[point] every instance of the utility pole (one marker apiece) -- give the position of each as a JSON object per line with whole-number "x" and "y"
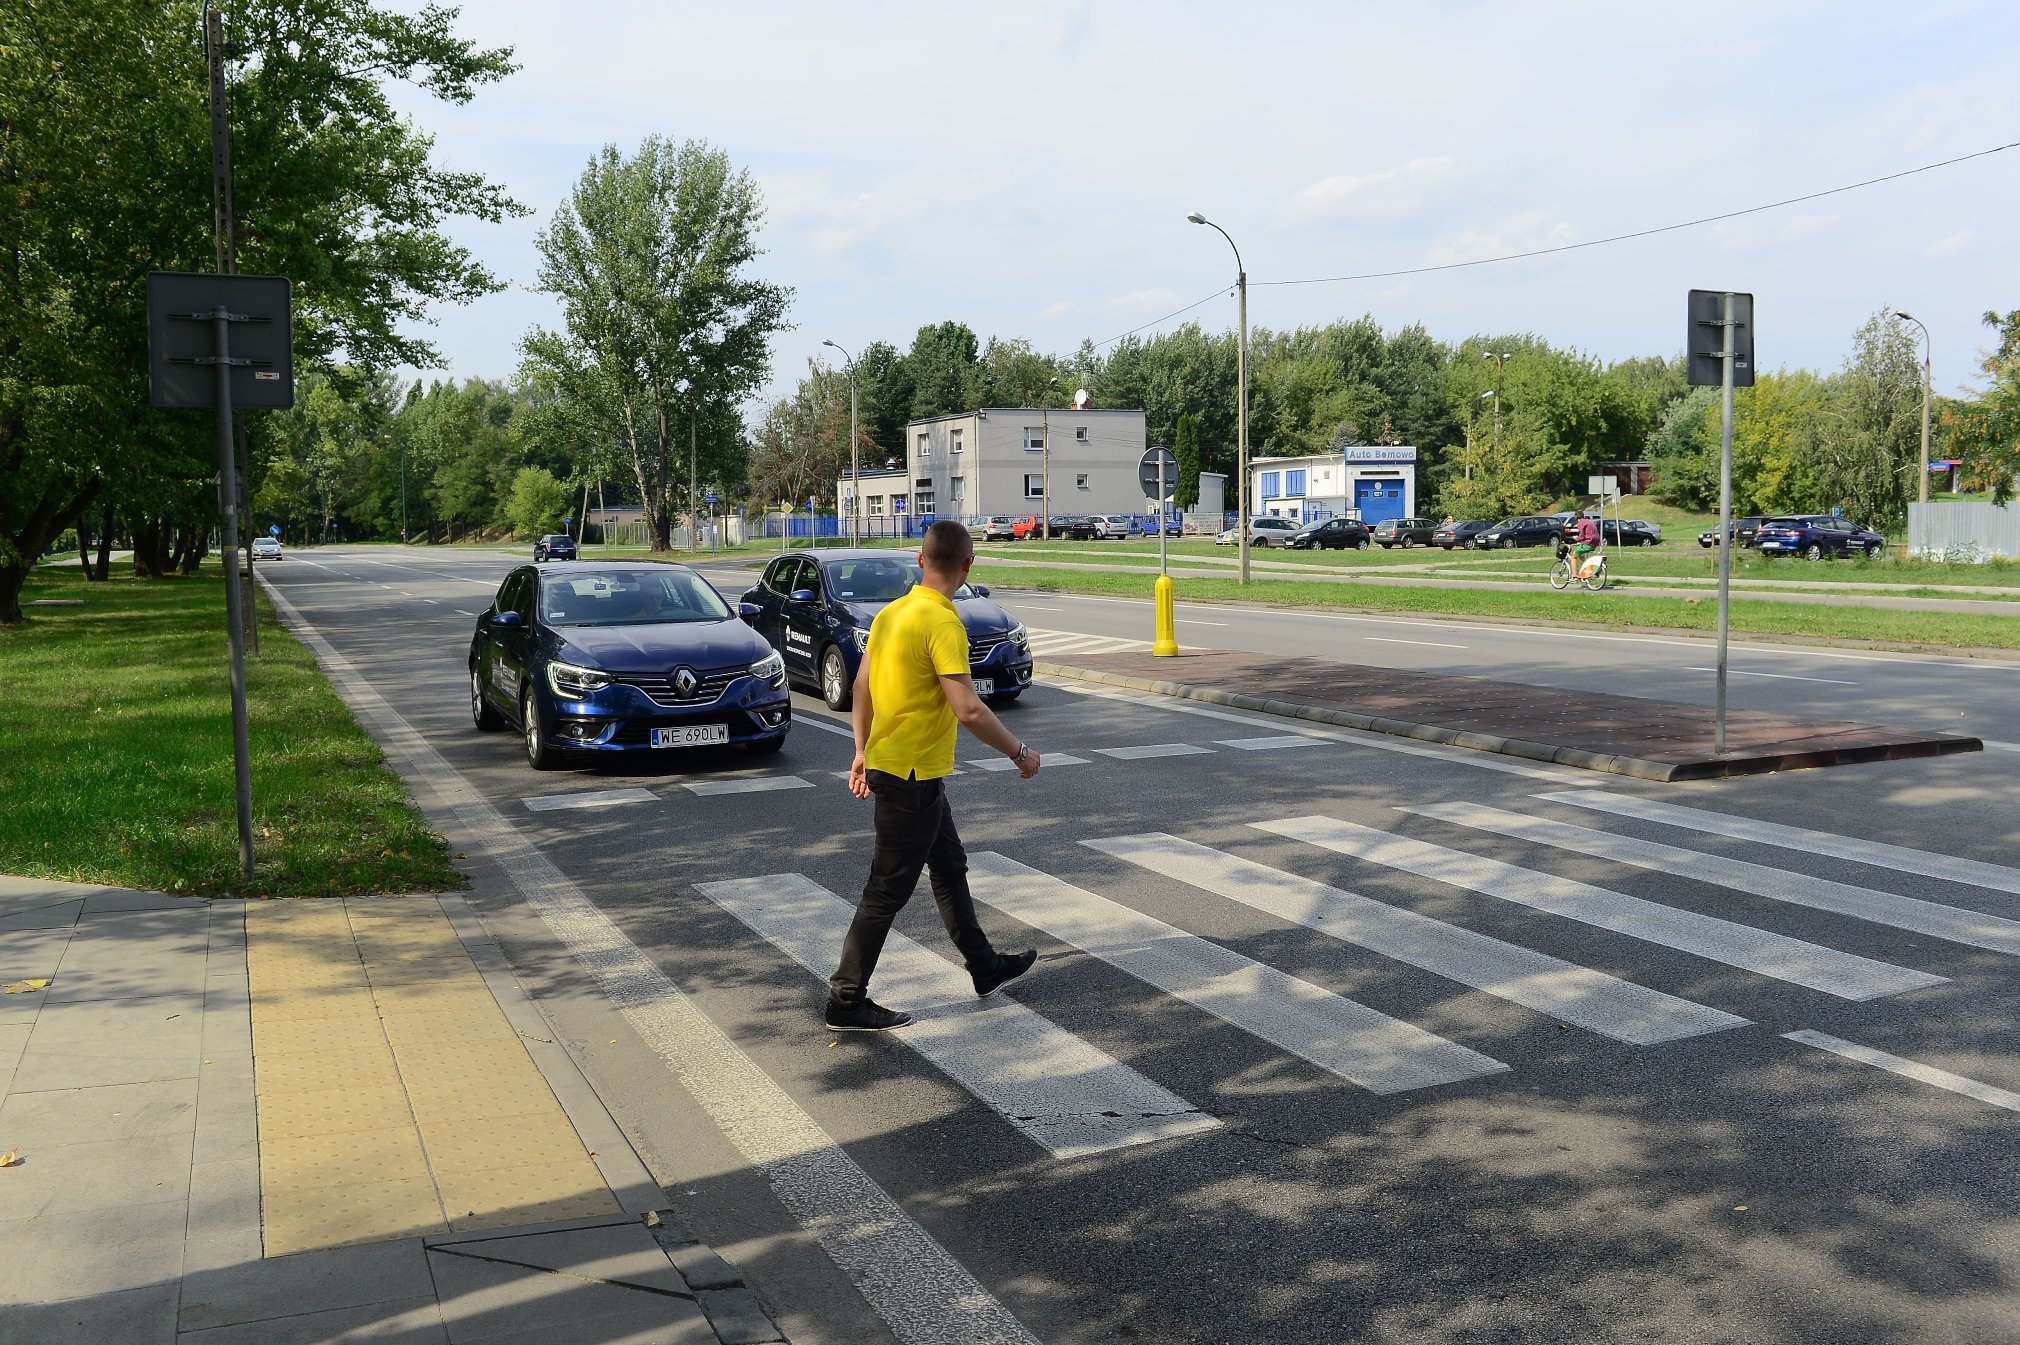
{"x": 855, "y": 454}
{"x": 1922, "y": 490}
{"x": 1045, "y": 455}
{"x": 693, "y": 489}
{"x": 1240, "y": 394}
{"x": 1500, "y": 359}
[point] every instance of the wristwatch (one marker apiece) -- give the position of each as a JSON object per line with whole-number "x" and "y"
{"x": 1022, "y": 752}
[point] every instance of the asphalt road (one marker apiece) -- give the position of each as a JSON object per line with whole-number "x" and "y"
{"x": 1332, "y": 1037}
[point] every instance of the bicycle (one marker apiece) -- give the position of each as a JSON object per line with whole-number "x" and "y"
{"x": 1592, "y": 573}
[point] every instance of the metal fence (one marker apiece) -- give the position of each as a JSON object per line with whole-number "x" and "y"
{"x": 1960, "y": 530}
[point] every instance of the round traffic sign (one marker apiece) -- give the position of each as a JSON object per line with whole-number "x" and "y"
{"x": 1156, "y": 463}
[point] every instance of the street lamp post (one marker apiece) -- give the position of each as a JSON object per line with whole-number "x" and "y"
{"x": 1496, "y": 395}
{"x": 1922, "y": 490}
{"x": 855, "y": 454}
{"x": 1045, "y": 458}
{"x": 1500, "y": 360}
{"x": 1241, "y": 395}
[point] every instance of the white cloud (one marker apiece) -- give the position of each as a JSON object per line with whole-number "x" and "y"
{"x": 1400, "y": 190}
{"x": 1058, "y": 310}
{"x": 1527, "y": 232}
{"x": 1943, "y": 247}
{"x": 1138, "y": 302}
{"x": 1768, "y": 230}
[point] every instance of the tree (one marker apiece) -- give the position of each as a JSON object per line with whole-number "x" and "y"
{"x": 946, "y": 371}
{"x": 649, "y": 257}
{"x": 1867, "y": 452}
{"x": 1682, "y": 456}
{"x": 1984, "y": 433}
{"x": 1185, "y": 447}
{"x": 537, "y": 502}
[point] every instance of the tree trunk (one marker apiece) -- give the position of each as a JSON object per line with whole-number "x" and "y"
{"x": 104, "y": 565}
{"x": 84, "y": 545}
{"x": 38, "y": 529}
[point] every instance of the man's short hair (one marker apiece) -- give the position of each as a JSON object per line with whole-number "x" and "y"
{"x": 947, "y": 547}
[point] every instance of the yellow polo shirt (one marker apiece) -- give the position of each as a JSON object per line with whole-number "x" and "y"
{"x": 914, "y": 642}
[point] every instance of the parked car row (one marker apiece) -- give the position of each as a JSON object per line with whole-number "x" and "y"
{"x": 1074, "y": 527}
{"x": 1814, "y": 536}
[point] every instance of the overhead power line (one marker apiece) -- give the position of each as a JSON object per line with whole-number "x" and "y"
{"x": 1638, "y": 233}
{"x": 1166, "y": 318}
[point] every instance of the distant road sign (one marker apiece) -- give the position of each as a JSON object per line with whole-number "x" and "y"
{"x": 1148, "y": 469}
{"x": 1705, "y": 338}
{"x": 273, "y": 530}
{"x": 711, "y": 499}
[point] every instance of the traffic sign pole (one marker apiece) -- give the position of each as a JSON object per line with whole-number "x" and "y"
{"x": 1157, "y": 473}
{"x": 227, "y": 500}
{"x": 1725, "y": 538}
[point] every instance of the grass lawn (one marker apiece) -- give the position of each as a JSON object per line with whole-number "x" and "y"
{"x": 1615, "y": 608}
{"x": 118, "y": 768}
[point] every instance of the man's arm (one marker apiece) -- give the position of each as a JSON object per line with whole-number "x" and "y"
{"x": 981, "y": 721}
{"x": 859, "y": 720}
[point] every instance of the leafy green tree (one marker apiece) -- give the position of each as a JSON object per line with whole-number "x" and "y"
{"x": 1868, "y": 452}
{"x": 883, "y": 397}
{"x": 650, "y": 257}
{"x": 946, "y": 370}
{"x": 1984, "y": 431}
{"x": 1682, "y": 451}
{"x": 1013, "y": 374}
{"x": 1185, "y": 447}
{"x": 536, "y": 503}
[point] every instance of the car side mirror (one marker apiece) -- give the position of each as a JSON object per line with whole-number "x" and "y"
{"x": 749, "y": 611}
{"x": 981, "y": 590}
{"x": 507, "y": 620}
{"x": 802, "y": 595}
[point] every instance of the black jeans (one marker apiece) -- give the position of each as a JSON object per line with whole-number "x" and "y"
{"x": 915, "y": 830}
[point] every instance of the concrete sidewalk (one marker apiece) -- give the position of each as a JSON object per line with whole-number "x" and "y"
{"x": 314, "y": 1121}
{"x": 1626, "y": 735}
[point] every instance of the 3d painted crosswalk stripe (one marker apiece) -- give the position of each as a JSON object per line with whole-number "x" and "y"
{"x": 1271, "y": 744}
{"x": 1562, "y": 990}
{"x": 1909, "y": 1069}
{"x": 1151, "y": 750}
{"x": 592, "y": 799}
{"x": 1900, "y": 858}
{"x": 755, "y": 785}
{"x": 1798, "y": 889}
{"x": 1357, "y": 1043}
{"x": 1068, "y": 1096}
{"x": 1046, "y": 761}
{"x": 1845, "y": 975}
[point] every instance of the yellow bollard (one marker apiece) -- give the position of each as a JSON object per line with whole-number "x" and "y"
{"x": 1166, "y": 645}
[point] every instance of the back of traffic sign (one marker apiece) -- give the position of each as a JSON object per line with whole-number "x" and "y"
{"x": 1157, "y": 473}
{"x": 182, "y": 352}
{"x": 1704, "y": 339}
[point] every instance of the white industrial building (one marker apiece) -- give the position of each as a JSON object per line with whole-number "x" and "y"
{"x": 1370, "y": 482}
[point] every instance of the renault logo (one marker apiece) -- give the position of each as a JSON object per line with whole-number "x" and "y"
{"x": 684, "y": 682}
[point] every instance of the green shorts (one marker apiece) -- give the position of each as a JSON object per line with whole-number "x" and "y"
{"x": 1584, "y": 549}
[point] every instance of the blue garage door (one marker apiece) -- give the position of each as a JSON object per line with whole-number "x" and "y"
{"x": 1378, "y": 500}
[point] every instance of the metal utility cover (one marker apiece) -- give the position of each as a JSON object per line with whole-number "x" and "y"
{"x": 1147, "y": 471}
{"x": 176, "y": 340}
{"x": 1704, "y": 338}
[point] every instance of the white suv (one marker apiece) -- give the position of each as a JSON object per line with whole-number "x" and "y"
{"x": 1263, "y": 530}
{"x": 266, "y": 548}
{"x": 1112, "y": 525}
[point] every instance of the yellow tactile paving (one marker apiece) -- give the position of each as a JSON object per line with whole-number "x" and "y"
{"x": 394, "y": 1096}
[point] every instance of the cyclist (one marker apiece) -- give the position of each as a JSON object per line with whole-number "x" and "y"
{"x": 1588, "y": 539}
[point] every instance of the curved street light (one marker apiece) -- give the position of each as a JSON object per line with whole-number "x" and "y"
{"x": 855, "y": 454}
{"x": 1241, "y": 395}
{"x": 1922, "y": 490}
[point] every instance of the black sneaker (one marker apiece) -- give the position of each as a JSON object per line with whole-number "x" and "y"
{"x": 865, "y": 1015}
{"x": 1009, "y": 966}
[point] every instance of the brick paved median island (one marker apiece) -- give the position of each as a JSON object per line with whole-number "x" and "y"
{"x": 1627, "y": 735}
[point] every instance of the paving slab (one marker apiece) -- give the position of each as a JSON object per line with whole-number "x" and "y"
{"x": 1625, "y": 735}
{"x": 143, "y": 1316}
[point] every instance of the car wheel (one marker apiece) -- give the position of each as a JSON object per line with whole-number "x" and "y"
{"x": 540, "y": 755}
{"x": 1409, "y": 543}
{"x": 1813, "y": 552}
{"x": 1873, "y": 551}
{"x": 481, "y": 712}
{"x": 835, "y": 688}
{"x": 766, "y": 746}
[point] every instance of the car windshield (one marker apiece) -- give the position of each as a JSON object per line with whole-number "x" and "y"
{"x": 640, "y": 597}
{"x": 875, "y": 579}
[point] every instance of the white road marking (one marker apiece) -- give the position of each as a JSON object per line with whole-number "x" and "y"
{"x": 1798, "y": 889}
{"x": 903, "y": 1273}
{"x": 1275, "y": 744}
{"x": 2001, "y": 747}
{"x": 600, "y": 798}
{"x": 1340, "y": 1036}
{"x": 431, "y": 600}
{"x": 1972, "y": 872}
{"x": 1779, "y": 677}
{"x": 1908, "y": 1069}
{"x": 1845, "y": 975}
{"x": 761, "y": 784}
{"x": 815, "y": 721}
{"x": 1380, "y": 742}
{"x": 1068, "y": 1097}
{"x": 1046, "y": 760}
{"x": 1561, "y": 990}
{"x": 1431, "y": 644}
{"x": 1195, "y": 621}
{"x": 1154, "y": 750}
{"x": 461, "y": 612}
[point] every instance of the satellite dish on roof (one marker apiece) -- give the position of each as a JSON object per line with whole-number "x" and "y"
{"x": 1079, "y": 399}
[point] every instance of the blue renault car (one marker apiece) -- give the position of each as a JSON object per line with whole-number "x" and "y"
{"x": 1817, "y": 536}
{"x": 815, "y": 609}
{"x": 600, "y": 658}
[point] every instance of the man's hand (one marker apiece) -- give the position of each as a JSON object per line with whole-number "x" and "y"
{"x": 1029, "y": 766}
{"x": 859, "y": 780}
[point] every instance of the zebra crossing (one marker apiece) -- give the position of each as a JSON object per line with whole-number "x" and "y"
{"x": 1055, "y": 643}
{"x": 1072, "y": 1098}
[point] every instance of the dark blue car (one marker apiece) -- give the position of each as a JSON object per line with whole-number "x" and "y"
{"x": 815, "y": 608}
{"x": 598, "y": 658}
{"x": 554, "y": 546}
{"x": 1816, "y": 536}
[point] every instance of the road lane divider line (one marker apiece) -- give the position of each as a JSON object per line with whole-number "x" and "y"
{"x": 1339, "y": 1035}
{"x": 598, "y": 798}
{"x": 1908, "y": 1069}
{"x": 904, "y": 1274}
{"x": 1560, "y": 990}
{"x": 1066, "y": 1095}
{"x": 1763, "y": 952}
{"x": 1150, "y": 750}
{"x": 1950, "y": 923}
{"x": 2000, "y": 747}
{"x": 763, "y": 784}
{"x": 1429, "y": 644}
{"x": 1878, "y": 854}
{"x": 1779, "y": 677}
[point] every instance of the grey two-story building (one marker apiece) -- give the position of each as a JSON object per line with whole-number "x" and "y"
{"x": 993, "y": 461}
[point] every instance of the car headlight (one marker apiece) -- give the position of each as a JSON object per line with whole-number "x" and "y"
{"x": 862, "y": 638}
{"x": 771, "y": 668}
{"x": 1019, "y": 638}
{"x": 575, "y": 682}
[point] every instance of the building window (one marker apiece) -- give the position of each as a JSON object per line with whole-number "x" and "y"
{"x": 876, "y": 504}
{"x": 1080, "y": 480}
{"x": 1294, "y": 482}
{"x": 1034, "y": 485}
{"x": 960, "y": 489}
{"x": 1034, "y": 436}
{"x": 1269, "y": 484}
{"x": 923, "y": 502}
{"x": 1080, "y": 433}
{"x": 925, "y": 445}
{"x": 954, "y": 441}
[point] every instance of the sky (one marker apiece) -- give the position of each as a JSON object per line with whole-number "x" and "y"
{"x": 1026, "y": 168}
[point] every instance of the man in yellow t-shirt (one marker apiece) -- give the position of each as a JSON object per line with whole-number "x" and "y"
{"x": 911, "y": 693}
